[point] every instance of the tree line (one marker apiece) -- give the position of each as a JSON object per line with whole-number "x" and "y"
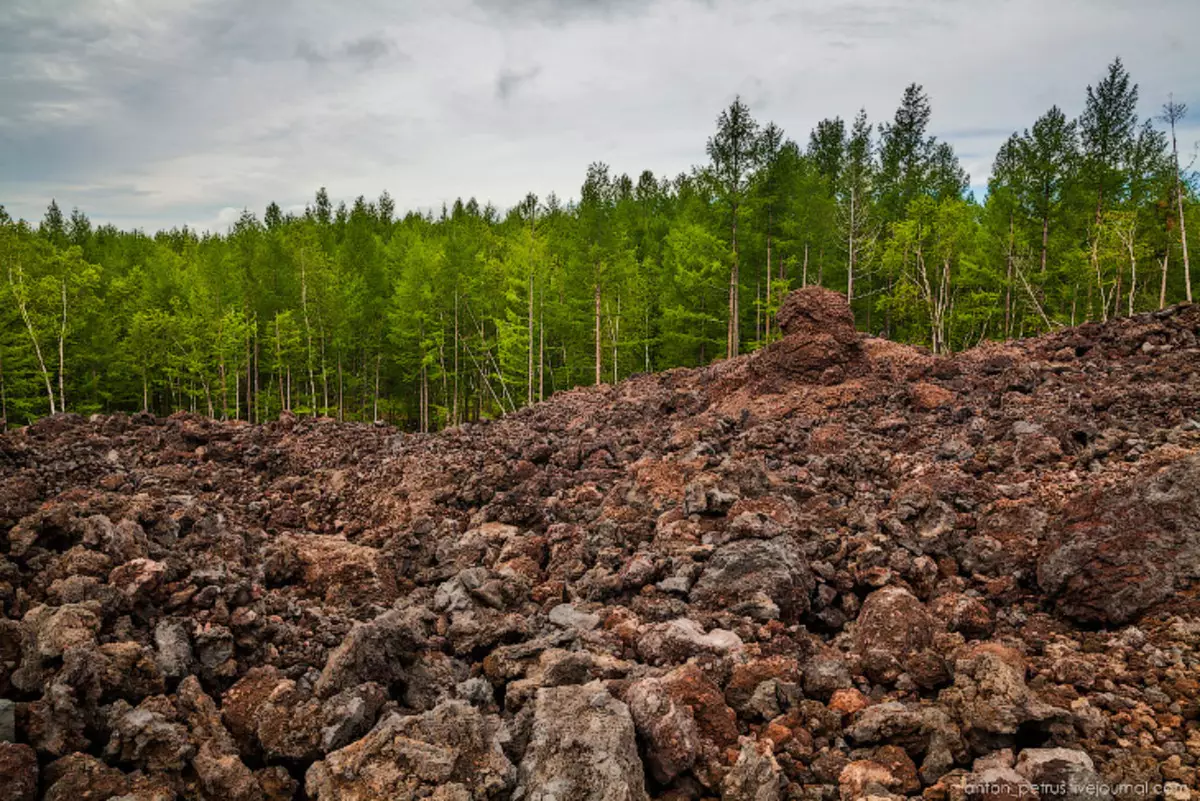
{"x": 428, "y": 320}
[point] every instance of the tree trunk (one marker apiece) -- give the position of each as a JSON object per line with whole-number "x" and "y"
{"x": 529, "y": 362}
{"x": 767, "y": 321}
{"x": 1162, "y": 290}
{"x": 62, "y": 355}
{"x": 1008, "y": 320}
{"x": 312, "y": 383}
{"x": 375, "y": 397}
{"x": 37, "y": 348}
{"x": 734, "y": 336}
{"x": 598, "y": 352}
{"x": 454, "y": 413}
{"x": 541, "y": 346}
{"x": 1045, "y": 232}
{"x": 3, "y": 396}
{"x": 1187, "y": 266}
{"x": 850, "y": 246}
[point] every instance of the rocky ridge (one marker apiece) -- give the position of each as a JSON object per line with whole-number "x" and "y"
{"x": 836, "y": 568}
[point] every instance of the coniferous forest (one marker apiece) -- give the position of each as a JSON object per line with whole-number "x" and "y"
{"x": 427, "y": 320}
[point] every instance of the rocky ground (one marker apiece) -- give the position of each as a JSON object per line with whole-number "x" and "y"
{"x": 838, "y": 568}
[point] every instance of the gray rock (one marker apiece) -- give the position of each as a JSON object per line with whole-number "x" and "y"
{"x": 755, "y": 776}
{"x": 764, "y": 579}
{"x": 8, "y": 721}
{"x": 582, "y": 747}
{"x": 568, "y": 617}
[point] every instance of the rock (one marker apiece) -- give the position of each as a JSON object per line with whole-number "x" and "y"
{"x": 568, "y": 617}
{"x": 1069, "y": 769}
{"x": 892, "y": 627}
{"x": 453, "y": 750}
{"x": 377, "y": 651}
{"x": 819, "y": 336}
{"x": 173, "y": 649}
{"x": 919, "y": 729}
{"x": 667, "y": 729}
{"x": 79, "y": 776}
{"x": 1119, "y": 552}
{"x": 755, "y": 776}
{"x": 764, "y": 579}
{"x": 990, "y": 693}
{"x": 677, "y": 640}
{"x": 8, "y": 721}
{"x": 825, "y": 673}
{"x": 582, "y": 746}
{"x": 998, "y": 784}
{"x": 864, "y": 778}
{"x": 18, "y": 772}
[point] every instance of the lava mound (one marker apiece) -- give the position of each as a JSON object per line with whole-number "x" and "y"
{"x": 835, "y": 568}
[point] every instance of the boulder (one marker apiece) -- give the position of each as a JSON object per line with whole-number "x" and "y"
{"x": 582, "y": 746}
{"x": 452, "y": 752}
{"x": 1120, "y": 551}
{"x": 763, "y": 579}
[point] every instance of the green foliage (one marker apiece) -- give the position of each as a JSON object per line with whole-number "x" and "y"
{"x": 357, "y": 312}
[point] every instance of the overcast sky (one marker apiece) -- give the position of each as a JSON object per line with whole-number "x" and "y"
{"x": 153, "y": 114}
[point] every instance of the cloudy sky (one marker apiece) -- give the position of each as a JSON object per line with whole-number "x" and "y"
{"x": 153, "y": 113}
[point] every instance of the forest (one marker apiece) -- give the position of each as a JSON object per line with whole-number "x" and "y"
{"x": 429, "y": 320}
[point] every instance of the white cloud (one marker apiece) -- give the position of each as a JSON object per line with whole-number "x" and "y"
{"x": 191, "y": 109}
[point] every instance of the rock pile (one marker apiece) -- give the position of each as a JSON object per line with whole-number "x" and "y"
{"x": 837, "y": 568}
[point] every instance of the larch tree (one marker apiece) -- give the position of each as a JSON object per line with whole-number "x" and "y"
{"x": 734, "y": 152}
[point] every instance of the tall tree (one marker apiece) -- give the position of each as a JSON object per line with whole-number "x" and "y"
{"x": 734, "y": 153}
{"x": 1173, "y": 114}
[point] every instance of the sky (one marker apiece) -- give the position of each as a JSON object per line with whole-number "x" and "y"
{"x": 153, "y": 114}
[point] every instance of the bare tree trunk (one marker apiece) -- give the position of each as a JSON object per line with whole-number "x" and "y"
{"x": 312, "y": 384}
{"x": 804, "y": 268}
{"x": 529, "y": 362}
{"x": 1008, "y": 320}
{"x": 37, "y": 348}
{"x": 616, "y": 337}
{"x": 734, "y": 336}
{"x": 3, "y": 396}
{"x": 598, "y": 352}
{"x": 375, "y": 397}
{"x": 1176, "y": 113}
{"x": 324, "y": 376}
{"x": 541, "y": 346}
{"x": 1045, "y": 234}
{"x": 62, "y": 355}
{"x": 850, "y": 245}
{"x": 454, "y": 413}
{"x": 257, "y": 373}
{"x": 224, "y": 386}
{"x": 279, "y": 371}
{"x": 767, "y": 317}
{"x": 341, "y": 391}
{"x": 1162, "y": 290}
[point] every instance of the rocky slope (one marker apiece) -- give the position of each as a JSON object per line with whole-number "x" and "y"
{"x": 837, "y": 568}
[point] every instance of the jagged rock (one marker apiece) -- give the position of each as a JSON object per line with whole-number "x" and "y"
{"x": 582, "y": 745}
{"x": 1121, "y": 551}
{"x": 77, "y": 776}
{"x": 377, "y": 651}
{"x": 1069, "y": 769}
{"x": 678, "y": 640}
{"x": 892, "y": 627}
{"x": 755, "y": 776}
{"x": 18, "y": 772}
{"x": 453, "y": 750}
{"x": 990, "y": 693}
{"x": 765, "y": 579}
{"x": 855, "y": 555}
